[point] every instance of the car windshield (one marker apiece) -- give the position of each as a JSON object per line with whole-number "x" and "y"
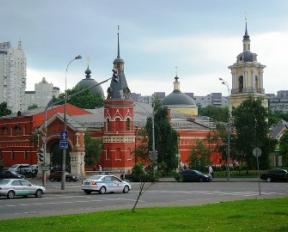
{"x": 14, "y": 166}
{"x": 198, "y": 172}
{"x": 96, "y": 177}
{"x": 4, "y": 181}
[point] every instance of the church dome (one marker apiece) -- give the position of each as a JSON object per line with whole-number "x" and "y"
{"x": 89, "y": 82}
{"x": 247, "y": 56}
{"x": 177, "y": 97}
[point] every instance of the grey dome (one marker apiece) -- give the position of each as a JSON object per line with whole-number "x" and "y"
{"x": 88, "y": 82}
{"x": 178, "y": 98}
{"x": 247, "y": 56}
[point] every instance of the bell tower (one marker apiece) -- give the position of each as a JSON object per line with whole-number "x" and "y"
{"x": 247, "y": 76}
{"x": 119, "y": 132}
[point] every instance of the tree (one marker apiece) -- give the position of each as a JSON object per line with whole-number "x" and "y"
{"x": 283, "y": 146}
{"x": 4, "y": 110}
{"x": 34, "y": 106}
{"x": 250, "y": 121}
{"x": 165, "y": 139}
{"x": 219, "y": 114}
{"x": 199, "y": 157}
{"x": 93, "y": 149}
{"x": 86, "y": 100}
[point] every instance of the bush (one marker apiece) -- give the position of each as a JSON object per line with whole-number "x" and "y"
{"x": 139, "y": 174}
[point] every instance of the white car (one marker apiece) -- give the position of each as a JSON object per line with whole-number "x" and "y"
{"x": 19, "y": 187}
{"x": 104, "y": 184}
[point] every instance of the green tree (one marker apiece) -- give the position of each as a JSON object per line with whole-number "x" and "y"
{"x": 199, "y": 157}
{"x": 165, "y": 139}
{"x": 251, "y": 124}
{"x": 283, "y": 146}
{"x": 219, "y": 114}
{"x": 34, "y": 106}
{"x": 86, "y": 99}
{"x": 93, "y": 149}
{"x": 4, "y": 110}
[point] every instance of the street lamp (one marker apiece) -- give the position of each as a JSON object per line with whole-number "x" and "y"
{"x": 223, "y": 82}
{"x": 65, "y": 125}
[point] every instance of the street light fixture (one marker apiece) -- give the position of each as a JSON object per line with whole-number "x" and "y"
{"x": 224, "y": 82}
{"x": 65, "y": 125}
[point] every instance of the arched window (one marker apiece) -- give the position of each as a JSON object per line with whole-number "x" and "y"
{"x": 240, "y": 84}
{"x": 128, "y": 124}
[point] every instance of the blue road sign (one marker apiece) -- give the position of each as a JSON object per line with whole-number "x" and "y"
{"x": 63, "y": 144}
{"x": 63, "y": 135}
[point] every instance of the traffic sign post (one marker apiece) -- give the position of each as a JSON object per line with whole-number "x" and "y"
{"x": 257, "y": 153}
{"x": 63, "y": 144}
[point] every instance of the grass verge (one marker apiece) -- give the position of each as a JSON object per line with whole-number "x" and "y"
{"x": 245, "y": 215}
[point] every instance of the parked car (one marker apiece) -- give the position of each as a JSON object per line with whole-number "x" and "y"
{"x": 10, "y": 174}
{"x": 193, "y": 175}
{"x": 104, "y": 184}
{"x": 57, "y": 176}
{"x": 19, "y": 187}
{"x": 275, "y": 175}
{"x": 25, "y": 169}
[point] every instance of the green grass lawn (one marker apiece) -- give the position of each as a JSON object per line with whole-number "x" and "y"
{"x": 246, "y": 215}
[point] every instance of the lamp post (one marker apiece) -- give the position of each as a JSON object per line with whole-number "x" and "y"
{"x": 223, "y": 82}
{"x": 65, "y": 125}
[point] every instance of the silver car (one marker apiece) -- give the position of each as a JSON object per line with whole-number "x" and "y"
{"x": 104, "y": 184}
{"x": 19, "y": 187}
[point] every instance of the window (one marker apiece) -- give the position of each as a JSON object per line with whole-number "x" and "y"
{"x": 16, "y": 183}
{"x": 118, "y": 154}
{"x": 107, "y": 124}
{"x": 117, "y": 126}
{"x": 12, "y": 155}
{"x": 257, "y": 83}
{"x": 26, "y": 155}
{"x": 4, "y": 130}
{"x": 17, "y": 129}
{"x": 240, "y": 84}
{"x": 128, "y": 126}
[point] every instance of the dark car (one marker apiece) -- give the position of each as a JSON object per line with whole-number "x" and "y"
{"x": 57, "y": 176}
{"x": 193, "y": 175}
{"x": 10, "y": 175}
{"x": 275, "y": 175}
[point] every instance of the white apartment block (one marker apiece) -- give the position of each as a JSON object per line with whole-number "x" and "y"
{"x": 43, "y": 93}
{"x": 12, "y": 76}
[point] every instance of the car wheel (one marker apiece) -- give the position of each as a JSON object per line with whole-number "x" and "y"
{"x": 102, "y": 190}
{"x": 38, "y": 193}
{"x": 10, "y": 194}
{"x": 87, "y": 192}
{"x": 269, "y": 179}
{"x": 126, "y": 189}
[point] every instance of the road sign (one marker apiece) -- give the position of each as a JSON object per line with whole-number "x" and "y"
{"x": 63, "y": 144}
{"x": 63, "y": 135}
{"x": 257, "y": 152}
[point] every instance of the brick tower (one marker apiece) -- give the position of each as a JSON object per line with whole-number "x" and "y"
{"x": 119, "y": 132}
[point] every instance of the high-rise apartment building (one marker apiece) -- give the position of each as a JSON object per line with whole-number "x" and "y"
{"x": 12, "y": 76}
{"x": 43, "y": 93}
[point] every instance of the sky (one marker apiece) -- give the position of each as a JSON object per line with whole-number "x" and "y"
{"x": 201, "y": 38}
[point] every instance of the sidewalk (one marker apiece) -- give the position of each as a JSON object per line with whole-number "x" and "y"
{"x": 222, "y": 179}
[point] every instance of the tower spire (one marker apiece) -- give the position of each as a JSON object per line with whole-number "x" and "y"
{"x": 118, "y": 49}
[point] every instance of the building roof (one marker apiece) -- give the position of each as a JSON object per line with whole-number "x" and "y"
{"x": 278, "y": 129}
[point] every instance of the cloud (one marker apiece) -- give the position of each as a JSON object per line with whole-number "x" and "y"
{"x": 201, "y": 59}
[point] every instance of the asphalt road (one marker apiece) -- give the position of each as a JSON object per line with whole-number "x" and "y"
{"x": 159, "y": 194}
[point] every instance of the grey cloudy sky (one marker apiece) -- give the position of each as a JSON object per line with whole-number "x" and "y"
{"x": 202, "y": 38}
